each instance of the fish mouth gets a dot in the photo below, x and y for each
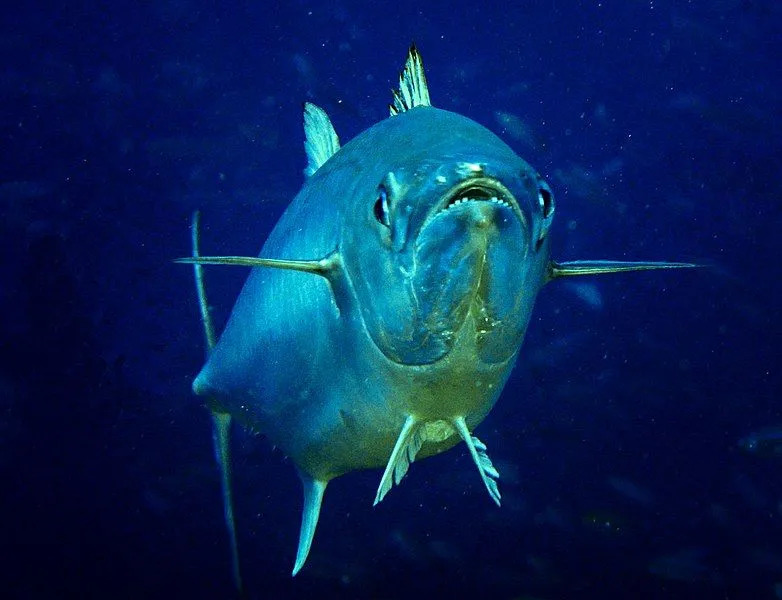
(479, 189)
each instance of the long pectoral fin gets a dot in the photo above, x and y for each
(221, 422)
(407, 446)
(478, 452)
(598, 267)
(329, 267)
(313, 497)
(323, 267)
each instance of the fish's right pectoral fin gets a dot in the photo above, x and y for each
(313, 498)
(324, 266)
(329, 267)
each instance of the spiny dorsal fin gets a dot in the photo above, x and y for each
(413, 90)
(321, 141)
(478, 452)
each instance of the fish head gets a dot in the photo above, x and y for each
(450, 247)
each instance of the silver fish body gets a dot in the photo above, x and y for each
(297, 360)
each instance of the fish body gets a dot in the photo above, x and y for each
(387, 307)
(298, 361)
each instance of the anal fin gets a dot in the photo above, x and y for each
(477, 449)
(313, 497)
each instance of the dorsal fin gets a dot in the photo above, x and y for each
(321, 141)
(413, 90)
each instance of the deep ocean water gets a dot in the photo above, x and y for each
(622, 434)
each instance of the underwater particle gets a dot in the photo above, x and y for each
(604, 522)
(516, 128)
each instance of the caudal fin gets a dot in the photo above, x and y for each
(221, 422)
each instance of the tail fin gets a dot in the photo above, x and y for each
(221, 422)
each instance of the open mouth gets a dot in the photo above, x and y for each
(475, 193)
(481, 189)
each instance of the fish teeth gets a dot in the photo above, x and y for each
(493, 200)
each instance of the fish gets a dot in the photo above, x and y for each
(764, 442)
(388, 305)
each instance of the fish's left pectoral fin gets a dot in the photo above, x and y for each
(313, 498)
(477, 448)
(599, 267)
(405, 450)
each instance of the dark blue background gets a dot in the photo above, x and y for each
(657, 125)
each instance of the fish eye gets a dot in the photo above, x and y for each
(545, 200)
(381, 207)
(546, 203)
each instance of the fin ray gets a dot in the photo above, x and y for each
(313, 498)
(321, 140)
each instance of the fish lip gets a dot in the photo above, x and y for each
(476, 188)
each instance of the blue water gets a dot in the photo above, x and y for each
(657, 124)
